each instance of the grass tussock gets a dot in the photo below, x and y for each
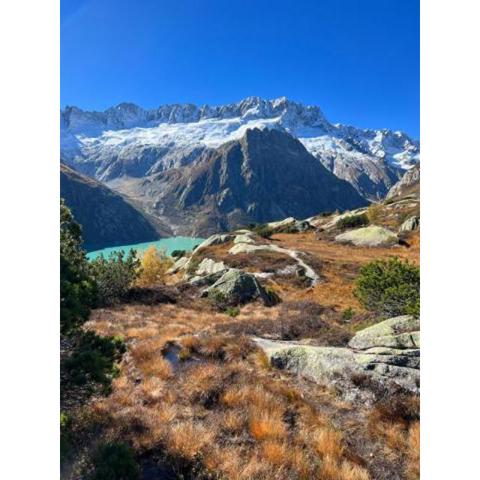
(267, 424)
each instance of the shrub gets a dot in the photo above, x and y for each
(94, 360)
(154, 266)
(114, 461)
(353, 221)
(390, 287)
(232, 311)
(348, 314)
(65, 436)
(114, 276)
(178, 253)
(374, 212)
(218, 299)
(77, 288)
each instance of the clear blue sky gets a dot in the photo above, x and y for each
(357, 59)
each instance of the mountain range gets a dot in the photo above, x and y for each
(265, 175)
(201, 169)
(126, 141)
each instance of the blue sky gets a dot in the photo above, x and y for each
(356, 59)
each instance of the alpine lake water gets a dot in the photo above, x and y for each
(166, 244)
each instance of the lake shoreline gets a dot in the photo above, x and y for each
(168, 244)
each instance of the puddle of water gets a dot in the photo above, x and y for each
(171, 353)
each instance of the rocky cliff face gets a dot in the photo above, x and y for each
(266, 175)
(409, 184)
(107, 218)
(128, 141)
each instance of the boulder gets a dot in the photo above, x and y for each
(332, 223)
(410, 224)
(244, 238)
(216, 239)
(248, 248)
(178, 265)
(386, 354)
(206, 280)
(238, 287)
(399, 332)
(371, 236)
(290, 224)
(208, 266)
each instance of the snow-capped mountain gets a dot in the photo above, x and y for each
(127, 141)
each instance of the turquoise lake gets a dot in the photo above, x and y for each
(167, 244)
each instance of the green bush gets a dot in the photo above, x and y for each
(65, 436)
(353, 221)
(77, 288)
(114, 461)
(114, 276)
(348, 314)
(178, 253)
(232, 311)
(389, 287)
(219, 300)
(94, 359)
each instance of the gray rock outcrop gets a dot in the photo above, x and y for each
(387, 354)
(410, 224)
(372, 236)
(238, 287)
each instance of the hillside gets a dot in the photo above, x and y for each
(254, 359)
(107, 218)
(409, 184)
(267, 175)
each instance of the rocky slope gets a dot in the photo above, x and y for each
(409, 184)
(266, 175)
(127, 141)
(107, 218)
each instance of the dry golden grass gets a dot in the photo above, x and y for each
(413, 459)
(261, 360)
(374, 213)
(349, 471)
(275, 452)
(188, 438)
(266, 424)
(328, 443)
(233, 421)
(341, 264)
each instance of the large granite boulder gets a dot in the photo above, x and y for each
(216, 239)
(249, 248)
(399, 332)
(386, 355)
(180, 264)
(327, 223)
(410, 224)
(237, 287)
(244, 238)
(371, 236)
(208, 266)
(290, 225)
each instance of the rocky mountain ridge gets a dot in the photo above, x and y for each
(127, 141)
(266, 175)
